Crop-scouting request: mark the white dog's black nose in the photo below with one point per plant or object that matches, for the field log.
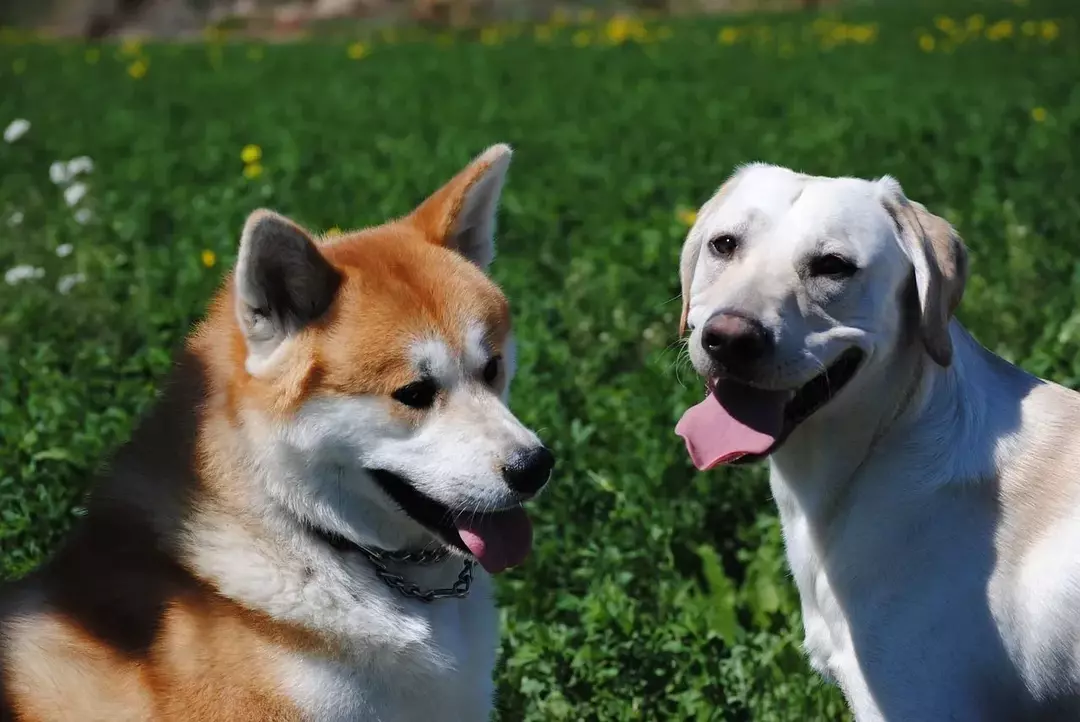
(734, 341)
(529, 470)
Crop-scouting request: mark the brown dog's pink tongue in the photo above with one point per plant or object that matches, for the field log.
(733, 421)
(499, 539)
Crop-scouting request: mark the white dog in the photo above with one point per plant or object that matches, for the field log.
(929, 491)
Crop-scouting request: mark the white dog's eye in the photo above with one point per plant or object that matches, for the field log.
(832, 265)
(724, 244)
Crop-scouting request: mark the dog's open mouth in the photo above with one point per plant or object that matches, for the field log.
(497, 539)
(737, 423)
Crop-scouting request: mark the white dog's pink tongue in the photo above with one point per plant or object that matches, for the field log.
(733, 421)
(499, 540)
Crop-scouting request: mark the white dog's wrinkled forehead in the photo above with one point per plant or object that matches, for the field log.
(759, 197)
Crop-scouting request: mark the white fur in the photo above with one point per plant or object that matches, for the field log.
(929, 513)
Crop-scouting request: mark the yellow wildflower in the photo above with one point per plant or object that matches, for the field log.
(728, 36)
(357, 50)
(944, 24)
(1038, 114)
(559, 17)
(252, 170)
(617, 29)
(975, 23)
(131, 47)
(138, 68)
(581, 38)
(489, 36)
(864, 33)
(251, 154)
(209, 258)
(1050, 30)
(334, 231)
(542, 33)
(927, 43)
(686, 216)
(1000, 30)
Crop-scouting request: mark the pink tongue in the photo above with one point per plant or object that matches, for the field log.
(733, 421)
(499, 540)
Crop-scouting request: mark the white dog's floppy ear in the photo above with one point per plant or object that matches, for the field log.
(688, 258)
(687, 262)
(461, 214)
(940, 262)
(282, 283)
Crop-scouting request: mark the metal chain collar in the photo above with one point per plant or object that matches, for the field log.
(379, 559)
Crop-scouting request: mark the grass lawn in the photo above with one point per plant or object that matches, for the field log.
(654, 592)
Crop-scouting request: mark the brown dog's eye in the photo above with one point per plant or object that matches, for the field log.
(418, 394)
(832, 265)
(724, 245)
(491, 369)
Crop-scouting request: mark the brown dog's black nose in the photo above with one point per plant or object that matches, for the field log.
(529, 470)
(735, 341)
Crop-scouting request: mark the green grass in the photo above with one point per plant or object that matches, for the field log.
(654, 593)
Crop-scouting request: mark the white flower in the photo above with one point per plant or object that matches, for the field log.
(17, 274)
(64, 250)
(74, 193)
(15, 219)
(63, 172)
(83, 216)
(68, 282)
(58, 173)
(16, 129)
(82, 164)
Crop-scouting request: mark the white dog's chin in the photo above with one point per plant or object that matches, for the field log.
(738, 423)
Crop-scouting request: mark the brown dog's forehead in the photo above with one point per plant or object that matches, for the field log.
(399, 290)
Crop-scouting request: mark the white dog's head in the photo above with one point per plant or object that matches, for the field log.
(796, 289)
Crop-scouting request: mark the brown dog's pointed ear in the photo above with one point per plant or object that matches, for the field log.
(282, 283)
(461, 215)
(939, 258)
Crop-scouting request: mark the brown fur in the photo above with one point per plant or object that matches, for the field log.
(116, 626)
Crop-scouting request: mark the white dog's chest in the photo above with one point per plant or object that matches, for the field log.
(890, 607)
(827, 640)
